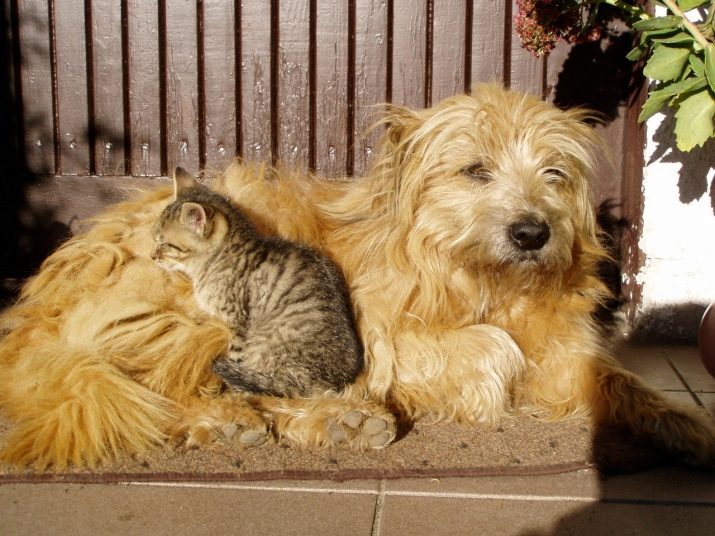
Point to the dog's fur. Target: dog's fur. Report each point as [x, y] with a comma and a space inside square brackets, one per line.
[105, 353]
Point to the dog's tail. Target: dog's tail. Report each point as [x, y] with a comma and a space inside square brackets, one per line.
[69, 405]
[622, 399]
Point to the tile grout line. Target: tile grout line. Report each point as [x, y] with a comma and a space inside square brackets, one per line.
[682, 380]
[379, 507]
[381, 494]
[248, 487]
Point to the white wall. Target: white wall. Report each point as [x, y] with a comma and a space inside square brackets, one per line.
[678, 235]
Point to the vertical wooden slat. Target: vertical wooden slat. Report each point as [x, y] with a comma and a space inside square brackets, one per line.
[409, 54]
[71, 75]
[144, 101]
[255, 119]
[108, 87]
[488, 39]
[554, 65]
[36, 82]
[448, 38]
[632, 198]
[527, 71]
[293, 106]
[182, 106]
[331, 87]
[371, 46]
[220, 81]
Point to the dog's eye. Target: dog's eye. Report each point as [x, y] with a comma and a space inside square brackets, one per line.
[478, 172]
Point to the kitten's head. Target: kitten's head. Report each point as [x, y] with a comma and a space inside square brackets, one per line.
[190, 228]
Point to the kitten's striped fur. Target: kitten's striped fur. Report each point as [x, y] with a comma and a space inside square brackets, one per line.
[287, 306]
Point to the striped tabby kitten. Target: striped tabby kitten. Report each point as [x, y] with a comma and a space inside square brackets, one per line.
[286, 305]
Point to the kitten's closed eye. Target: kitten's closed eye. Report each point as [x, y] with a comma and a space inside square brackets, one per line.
[173, 247]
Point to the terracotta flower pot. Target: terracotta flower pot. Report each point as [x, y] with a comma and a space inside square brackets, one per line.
[707, 339]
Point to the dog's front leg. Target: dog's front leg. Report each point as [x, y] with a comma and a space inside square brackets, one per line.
[463, 375]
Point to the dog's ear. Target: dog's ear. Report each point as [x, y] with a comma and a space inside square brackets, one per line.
[399, 120]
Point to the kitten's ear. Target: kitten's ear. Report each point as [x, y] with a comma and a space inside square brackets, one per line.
[183, 180]
[194, 217]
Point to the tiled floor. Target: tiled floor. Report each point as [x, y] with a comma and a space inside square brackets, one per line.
[666, 501]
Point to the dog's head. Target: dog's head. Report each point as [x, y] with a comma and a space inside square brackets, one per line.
[496, 179]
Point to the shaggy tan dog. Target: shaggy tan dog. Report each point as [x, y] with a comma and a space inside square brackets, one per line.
[471, 251]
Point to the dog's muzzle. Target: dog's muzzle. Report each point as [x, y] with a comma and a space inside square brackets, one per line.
[529, 234]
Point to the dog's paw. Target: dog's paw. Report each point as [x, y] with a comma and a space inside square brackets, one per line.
[245, 436]
[361, 430]
[247, 429]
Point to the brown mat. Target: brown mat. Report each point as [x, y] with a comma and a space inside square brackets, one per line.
[521, 446]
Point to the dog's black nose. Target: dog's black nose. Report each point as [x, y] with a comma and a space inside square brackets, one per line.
[529, 235]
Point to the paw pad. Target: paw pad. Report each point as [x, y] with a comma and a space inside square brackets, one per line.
[359, 429]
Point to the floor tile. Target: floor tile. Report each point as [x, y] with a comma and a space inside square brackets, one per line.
[82, 510]
[690, 366]
[683, 397]
[650, 364]
[666, 485]
[429, 516]
[708, 400]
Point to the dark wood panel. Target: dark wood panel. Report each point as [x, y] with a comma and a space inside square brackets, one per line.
[332, 44]
[145, 102]
[292, 108]
[181, 86]
[220, 82]
[256, 127]
[71, 83]
[448, 49]
[526, 72]
[371, 49]
[107, 87]
[554, 65]
[489, 24]
[36, 84]
[409, 54]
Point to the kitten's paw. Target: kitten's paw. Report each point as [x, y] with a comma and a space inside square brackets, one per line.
[361, 429]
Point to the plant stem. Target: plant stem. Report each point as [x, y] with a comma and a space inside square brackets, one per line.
[692, 29]
[634, 11]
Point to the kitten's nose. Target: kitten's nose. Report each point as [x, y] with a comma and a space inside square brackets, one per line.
[529, 234]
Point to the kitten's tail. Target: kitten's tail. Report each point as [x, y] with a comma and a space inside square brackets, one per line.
[70, 406]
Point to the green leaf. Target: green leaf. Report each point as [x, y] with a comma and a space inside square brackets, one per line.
[694, 120]
[710, 65]
[687, 5]
[697, 65]
[677, 39]
[636, 54]
[652, 105]
[657, 98]
[654, 35]
[666, 63]
[657, 23]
